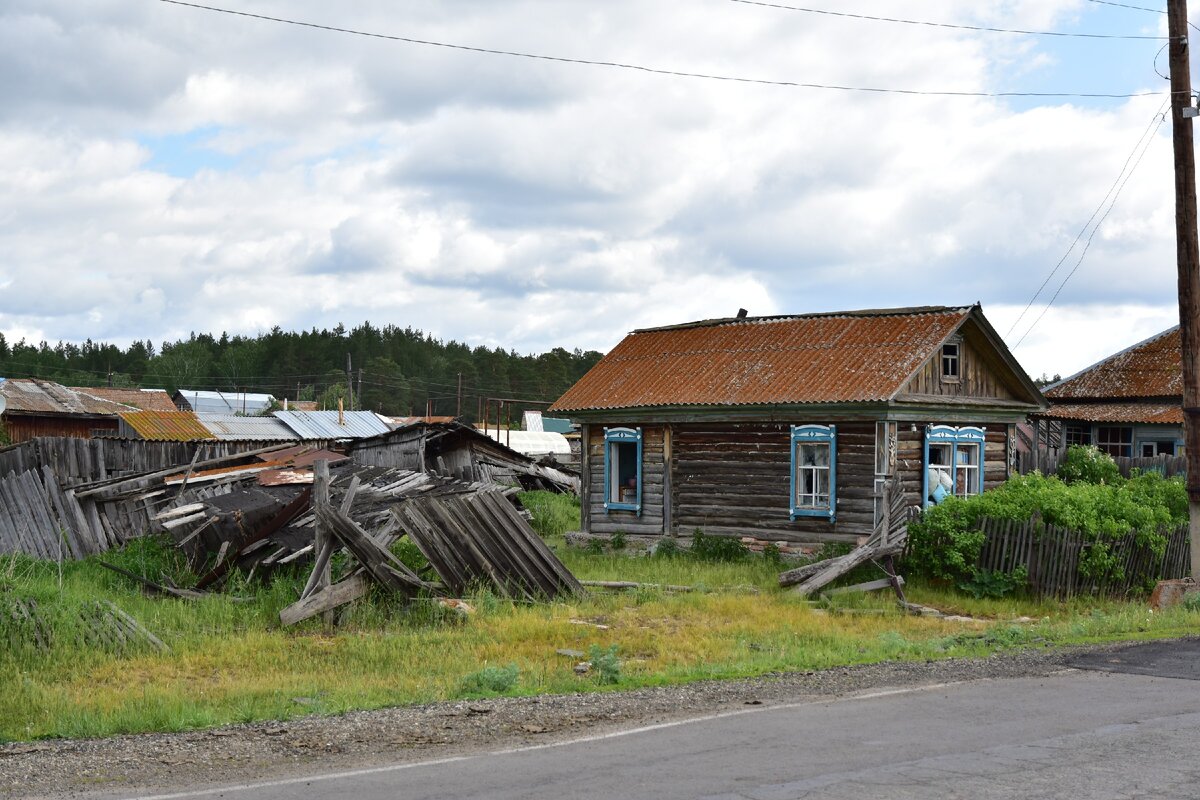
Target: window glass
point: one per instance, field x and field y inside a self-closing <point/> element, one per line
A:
<point x="950" y="357"/>
<point x="814" y="465"/>
<point x="1116" y="440"/>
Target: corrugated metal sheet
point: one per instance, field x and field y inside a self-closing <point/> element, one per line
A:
<point x="1159" y="413"/>
<point x="324" y="424"/>
<point x="827" y="358"/>
<point x="1151" y="368"/>
<point x="225" y="402"/>
<point x="145" y="399"/>
<point x="47" y="397"/>
<point x="167" y="426"/>
<point x="231" y="427"/>
<point x="533" y="443"/>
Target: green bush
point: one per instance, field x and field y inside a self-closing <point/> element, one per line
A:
<point x="553" y="514"/>
<point x="605" y="663"/>
<point x="945" y="542"/>
<point x="1088" y="464"/>
<point x="493" y="680"/>
<point x="717" y="548"/>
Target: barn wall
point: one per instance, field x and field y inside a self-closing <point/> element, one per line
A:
<point x="21" y="427"/>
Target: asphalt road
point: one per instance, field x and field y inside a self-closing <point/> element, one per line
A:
<point x="1110" y="730"/>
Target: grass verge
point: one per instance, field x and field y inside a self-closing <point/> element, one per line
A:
<point x="230" y="662"/>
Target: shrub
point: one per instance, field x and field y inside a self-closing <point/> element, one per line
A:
<point x="717" y="548"/>
<point x="605" y="663"/>
<point x="1087" y="463"/>
<point x="945" y="544"/>
<point x="993" y="583"/>
<point x="496" y="680"/>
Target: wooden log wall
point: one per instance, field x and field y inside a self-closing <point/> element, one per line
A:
<point x="735" y="478"/>
<point x="651" y="520"/>
<point x="910" y="457"/>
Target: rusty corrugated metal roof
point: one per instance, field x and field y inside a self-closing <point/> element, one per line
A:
<point x="1151" y="368"/>
<point x="857" y="356"/>
<point x="167" y="426"/>
<point x="1154" y="413"/>
<point x="145" y="399"/>
<point x="34" y="396"/>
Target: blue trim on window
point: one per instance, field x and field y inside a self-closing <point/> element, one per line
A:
<point x="809" y="434"/>
<point x="946" y="434"/>
<point x="621" y="436"/>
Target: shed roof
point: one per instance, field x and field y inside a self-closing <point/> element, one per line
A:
<point x="200" y="400"/>
<point x="145" y="399"/>
<point x="167" y="426"/>
<point x="533" y="443"/>
<point x="325" y="424"/>
<point x="232" y="427"/>
<point x="1150" y="368"/>
<point x="35" y="396"/>
<point x="841" y="357"/>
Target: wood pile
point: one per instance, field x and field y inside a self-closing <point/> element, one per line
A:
<point x="887" y="540"/>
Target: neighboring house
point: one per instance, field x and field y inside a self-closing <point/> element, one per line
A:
<point x="242" y="403"/>
<point x="145" y="399"/>
<point x="34" y="407"/>
<point x="1129" y="405"/>
<point x="788" y="427"/>
<point x="334" y="424"/>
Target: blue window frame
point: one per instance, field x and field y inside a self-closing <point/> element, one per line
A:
<point x="814" y="471"/>
<point x="953" y="463"/>
<point x="623" y="469"/>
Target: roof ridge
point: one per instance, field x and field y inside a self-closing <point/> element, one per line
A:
<point x="1108" y="358"/>
<point x="907" y="311"/>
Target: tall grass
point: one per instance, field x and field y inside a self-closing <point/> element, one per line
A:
<point x="231" y="662"/>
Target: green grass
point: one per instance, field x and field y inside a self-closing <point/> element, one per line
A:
<point x="230" y="662"/>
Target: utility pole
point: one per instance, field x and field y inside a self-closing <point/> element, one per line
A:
<point x="458" y="405"/>
<point x="349" y="383"/>
<point x="1187" y="252"/>
<point x="360" y="372"/>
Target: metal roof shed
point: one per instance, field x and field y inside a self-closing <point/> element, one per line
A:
<point x="232" y="427"/>
<point x="334" y="424"/>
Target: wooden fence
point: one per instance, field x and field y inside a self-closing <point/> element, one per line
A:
<point x="1052" y="554"/>
<point x="1050" y="458"/>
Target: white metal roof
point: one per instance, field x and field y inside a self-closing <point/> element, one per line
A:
<point x="533" y="443"/>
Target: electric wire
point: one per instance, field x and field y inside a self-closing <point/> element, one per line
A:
<point x="951" y="25"/>
<point x="1087" y="245"/>
<point x="656" y="70"/>
<point x="1152" y="127"/>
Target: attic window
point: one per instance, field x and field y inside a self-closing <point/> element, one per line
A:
<point x="950" y="356"/>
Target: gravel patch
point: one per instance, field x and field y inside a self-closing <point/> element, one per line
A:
<point x="262" y="751"/>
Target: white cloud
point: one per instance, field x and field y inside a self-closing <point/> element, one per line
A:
<point x="175" y="170"/>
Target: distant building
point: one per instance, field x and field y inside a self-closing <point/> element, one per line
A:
<point x="1129" y="404"/>
<point x="244" y="403"/>
<point x="34" y="407"/>
<point x="145" y="399"/>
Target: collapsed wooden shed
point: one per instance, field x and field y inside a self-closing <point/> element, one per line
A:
<point x="787" y="428"/>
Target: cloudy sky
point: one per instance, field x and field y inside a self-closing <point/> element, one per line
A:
<point x="166" y="169"/>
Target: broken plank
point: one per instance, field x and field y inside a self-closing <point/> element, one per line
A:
<point x="327" y="599"/>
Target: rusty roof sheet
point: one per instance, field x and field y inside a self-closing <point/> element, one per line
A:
<point x="34" y="396"/>
<point x="1153" y="413"/>
<point x="857" y="356"/>
<point x="145" y="399"/>
<point x="1151" y="368"/>
<point x="167" y="426"/>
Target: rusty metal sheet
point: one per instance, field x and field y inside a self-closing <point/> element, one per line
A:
<point x="1151" y="368"/>
<point x="47" y="397"/>
<point x="821" y="358"/>
<point x="145" y="399"/>
<point x="285" y="477"/>
<point x="167" y="426"/>
<point x="1151" y="413"/>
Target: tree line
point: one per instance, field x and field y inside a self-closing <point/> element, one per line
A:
<point x="393" y="370"/>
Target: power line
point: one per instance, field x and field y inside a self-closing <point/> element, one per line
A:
<point x="1161" y="118"/>
<point x="1155" y="122"/>
<point x="655" y="70"/>
<point x="1126" y="5"/>
<point x="954" y="26"/>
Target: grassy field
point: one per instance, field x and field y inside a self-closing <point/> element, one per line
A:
<point x="231" y="662"/>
